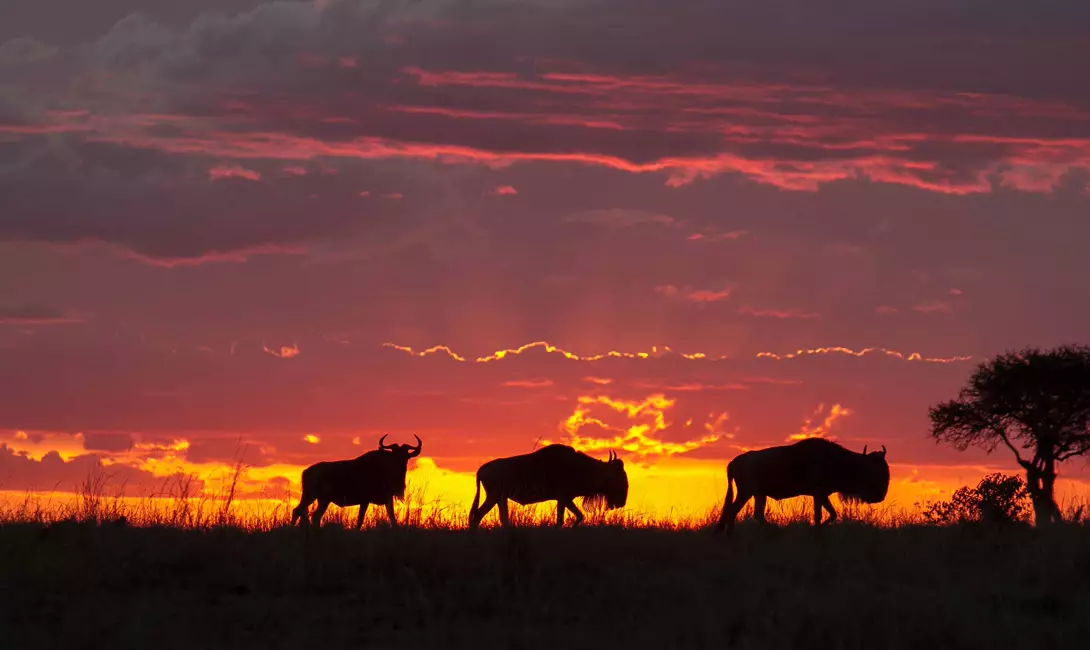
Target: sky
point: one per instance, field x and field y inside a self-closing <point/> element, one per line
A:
<point x="678" y="230"/>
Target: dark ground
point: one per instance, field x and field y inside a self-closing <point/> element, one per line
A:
<point x="78" y="586"/>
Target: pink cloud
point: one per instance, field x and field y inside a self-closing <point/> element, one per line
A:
<point x="886" y="309"/>
<point x="504" y="190"/>
<point x="932" y="307"/>
<point x="694" y="295"/>
<point x="232" y="171"/>
<point x="778" y="313"/>
<point x="238" y="256"/>
<point x="294" y="170"/>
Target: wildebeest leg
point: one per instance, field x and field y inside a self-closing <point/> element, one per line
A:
<point x="476" y="517"/>
<point x="300" y="511"/>
<point x="731" y="509"/>
<point x="759" y="503"/>
<point x="316" y="518"/>
<point x="818" y="504"/>
<point x="578" y="515"/>
<point x="390" y="512"/>
<point x="828" y="505"/>
<point x="559" y="513"/>
<point x="359" y="517"/>
<point x="504" y="519"/>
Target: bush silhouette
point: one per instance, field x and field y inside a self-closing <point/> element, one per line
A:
<point x="997" y="499"/>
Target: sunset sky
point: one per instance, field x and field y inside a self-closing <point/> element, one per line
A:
<point x="685" y="228"/>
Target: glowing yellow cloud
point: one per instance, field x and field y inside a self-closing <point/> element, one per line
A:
<point x="640" y="439"/>
<point x="658" y="352"/>
<point x="913" y="356"/>
<point x="312" y="439"/>
<point x="809" y="430"/>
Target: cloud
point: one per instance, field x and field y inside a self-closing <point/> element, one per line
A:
<point x="25" y="50"/>
<point x="232" y="171"/>
<point x="778" y="313"/>
<point x="932" y="307"/>
<point x="136" y="121"/>
<point x="825" y="426"/>
<point x="637" y="435"/>
<point x="21" y="472"/>
<point x="110" y="442"/>
<point x="691" y="386"/>
<point x="283" y="352"/>
<point x="528" y="383"/>
<point x="601" y="381"/>
<point x="620" y="218"/>
<point x="690" y="294"/>
<point x="504" y="190"/>
<point x="36" y="315"/>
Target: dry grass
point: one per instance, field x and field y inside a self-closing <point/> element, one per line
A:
<point x="197" y="571"/>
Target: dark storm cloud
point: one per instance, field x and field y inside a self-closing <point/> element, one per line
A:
<point x="920" y="94"/>
<point x="35" y="315"/>
<point x="20" y="472"/>
<point x="107" y="441"/>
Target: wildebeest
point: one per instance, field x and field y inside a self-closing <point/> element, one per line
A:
<point x="811" y="467"/>
<point x="554" y="472"/>
<point x="374" y="477"/>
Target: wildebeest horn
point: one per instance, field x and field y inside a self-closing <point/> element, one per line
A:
<point x="416" y="450"/>
<point x="883" y="450"/>
<point x="380" y="440"/>
<point x="864" y="450"/>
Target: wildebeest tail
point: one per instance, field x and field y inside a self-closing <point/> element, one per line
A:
<point x="476" y="499"/>
<point x="730" y="487"/>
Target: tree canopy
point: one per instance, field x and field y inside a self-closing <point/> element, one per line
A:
<point x="1031" y="401"/>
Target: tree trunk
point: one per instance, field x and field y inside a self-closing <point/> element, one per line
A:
<point x="1040" y="483"/>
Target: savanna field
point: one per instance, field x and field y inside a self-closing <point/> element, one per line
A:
<point x="102" y="572"/>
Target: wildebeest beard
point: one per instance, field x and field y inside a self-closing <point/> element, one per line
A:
<point x="874" y="485"/>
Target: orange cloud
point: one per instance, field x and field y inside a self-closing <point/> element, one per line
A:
<point x="312" y="439"/>
<point x="693" y="386"/>
<point x="232" y="171"/>
<point x="285" y="351"/>
<point x="529" y="383"/>
<point x="601" y="381"/>
<point x="810" y="430"/>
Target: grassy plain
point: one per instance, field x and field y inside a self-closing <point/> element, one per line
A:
<point x="199" y="575"/>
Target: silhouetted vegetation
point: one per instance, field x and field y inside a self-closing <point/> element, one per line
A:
<point x="193" y="572"/>
<point x="997" y="499"/>
<point x="1031" y="399"/>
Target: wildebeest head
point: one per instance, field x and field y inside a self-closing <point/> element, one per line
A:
<point x="615" y="482"/>
<point x="871" y="478"/>
<point x="401" y="452"/>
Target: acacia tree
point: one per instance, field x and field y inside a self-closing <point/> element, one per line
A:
<point x="1031" y="401"/>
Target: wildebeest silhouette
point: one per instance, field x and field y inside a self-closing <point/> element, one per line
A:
<point x="812" y="467"/>
<point x="554" y="472"/>
<point x="374" y="477"/>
